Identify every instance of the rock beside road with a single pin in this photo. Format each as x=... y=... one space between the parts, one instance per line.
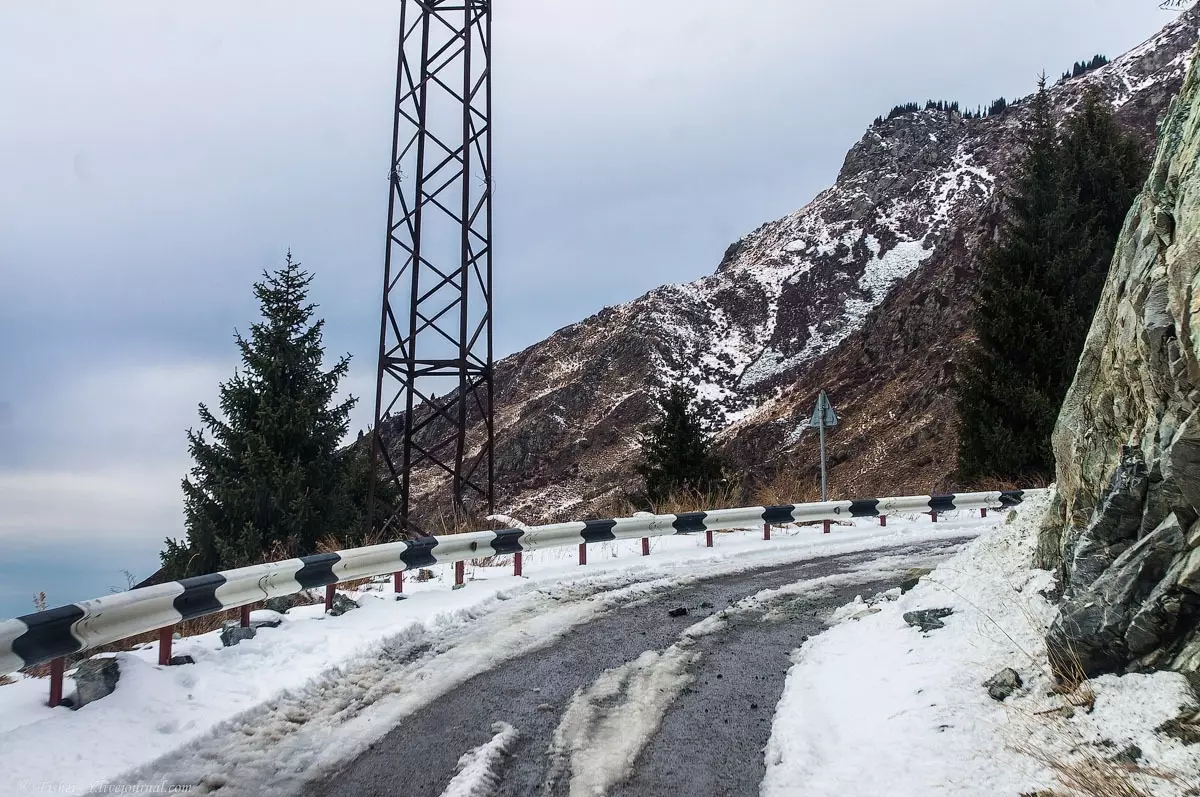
x=94 y=679
x=1003 y=683
x=927 y=619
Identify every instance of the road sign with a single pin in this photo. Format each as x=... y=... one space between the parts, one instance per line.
x=823 y=413
x=823 y=416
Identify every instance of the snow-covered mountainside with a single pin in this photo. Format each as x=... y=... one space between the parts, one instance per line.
x=866 y=291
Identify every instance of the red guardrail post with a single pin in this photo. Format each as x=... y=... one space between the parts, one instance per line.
x=708 y=538
x=645 y=546
x=766 y=531
x=933 y=514
x=517 y=564
x=825 y=523
x=983 y=512
x=459 y=573
x=165 y=637
x=330 y=591
x=398 y=581
x=246 y=616
x=883 y=520
x=583 y=553
x=57 y=666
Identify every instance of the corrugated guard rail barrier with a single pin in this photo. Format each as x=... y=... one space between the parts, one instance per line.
x=48 y=636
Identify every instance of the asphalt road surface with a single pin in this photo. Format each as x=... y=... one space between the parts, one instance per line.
x=716 y=692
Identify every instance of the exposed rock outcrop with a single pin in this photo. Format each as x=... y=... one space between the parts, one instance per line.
x=1126 y=532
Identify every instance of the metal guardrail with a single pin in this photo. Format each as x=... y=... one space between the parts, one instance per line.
x=50 y=635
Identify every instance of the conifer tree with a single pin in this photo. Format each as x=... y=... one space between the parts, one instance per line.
x=675 y=449
x=270 y=470
x=1040 y=286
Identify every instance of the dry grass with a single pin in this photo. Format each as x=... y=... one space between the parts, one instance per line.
x=788 y=486
x=1089 y=773
x=5 y=680
x=987 y=484
x=698 y=500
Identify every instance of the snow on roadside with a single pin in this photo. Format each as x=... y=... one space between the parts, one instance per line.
x=874 y=706
x=266 y=707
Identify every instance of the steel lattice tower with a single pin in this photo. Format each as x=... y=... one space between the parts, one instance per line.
x=435 y=342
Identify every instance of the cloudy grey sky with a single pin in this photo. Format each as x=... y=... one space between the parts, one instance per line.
x=155 y=157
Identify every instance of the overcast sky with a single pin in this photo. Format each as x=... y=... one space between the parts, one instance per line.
x=156 y=156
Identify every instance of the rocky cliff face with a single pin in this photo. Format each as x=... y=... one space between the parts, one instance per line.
x=866 y=291
x=1126 y=534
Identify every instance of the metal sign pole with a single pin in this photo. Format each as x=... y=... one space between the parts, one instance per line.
x=821 y=427
x=823 y=415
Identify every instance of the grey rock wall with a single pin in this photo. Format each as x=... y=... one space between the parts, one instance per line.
x=1126 y=530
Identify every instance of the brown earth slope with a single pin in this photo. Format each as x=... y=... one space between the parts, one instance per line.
x=867 y=292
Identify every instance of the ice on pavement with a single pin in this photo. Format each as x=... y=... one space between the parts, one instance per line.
x=478 y=769
x=608 y=723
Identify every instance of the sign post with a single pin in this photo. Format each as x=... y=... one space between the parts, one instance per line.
x=823 y=415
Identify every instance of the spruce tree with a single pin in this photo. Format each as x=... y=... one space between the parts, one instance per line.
x=675 y=449
x=1040 y=285
x=270 y=471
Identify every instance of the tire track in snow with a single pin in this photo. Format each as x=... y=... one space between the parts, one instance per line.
x=608 y=723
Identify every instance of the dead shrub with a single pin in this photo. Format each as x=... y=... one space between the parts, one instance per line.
x=788 y=486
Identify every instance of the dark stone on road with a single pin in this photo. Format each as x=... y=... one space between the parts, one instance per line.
x=180 y=660
x=680 y=612
x=927 y=619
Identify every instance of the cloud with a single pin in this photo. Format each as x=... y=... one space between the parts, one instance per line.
x=90 y=509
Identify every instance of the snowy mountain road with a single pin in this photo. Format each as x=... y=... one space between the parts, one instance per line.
x=635 y=702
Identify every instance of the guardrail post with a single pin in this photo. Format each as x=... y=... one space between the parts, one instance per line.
x=708 y=538
x=883 y=520
x=825 y=523
x=246 y=616
x=645 y=546
x=518 y=564
x=766 y=531
x=983 y=512
x=583 y=553
x=398 y=581
x=57 y=666
x=460 y=570
x=165 y=637
x=933 y=514
x=330 y=590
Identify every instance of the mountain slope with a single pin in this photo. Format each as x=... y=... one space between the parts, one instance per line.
x=866 y=291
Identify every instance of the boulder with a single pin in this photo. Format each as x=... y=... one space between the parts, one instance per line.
x=94 y=679
x=927 y=619
x=1003 y=683
x=341 y=605
x=265 y=618
x=284 y=603
x=233 y=633
x=912 y=577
